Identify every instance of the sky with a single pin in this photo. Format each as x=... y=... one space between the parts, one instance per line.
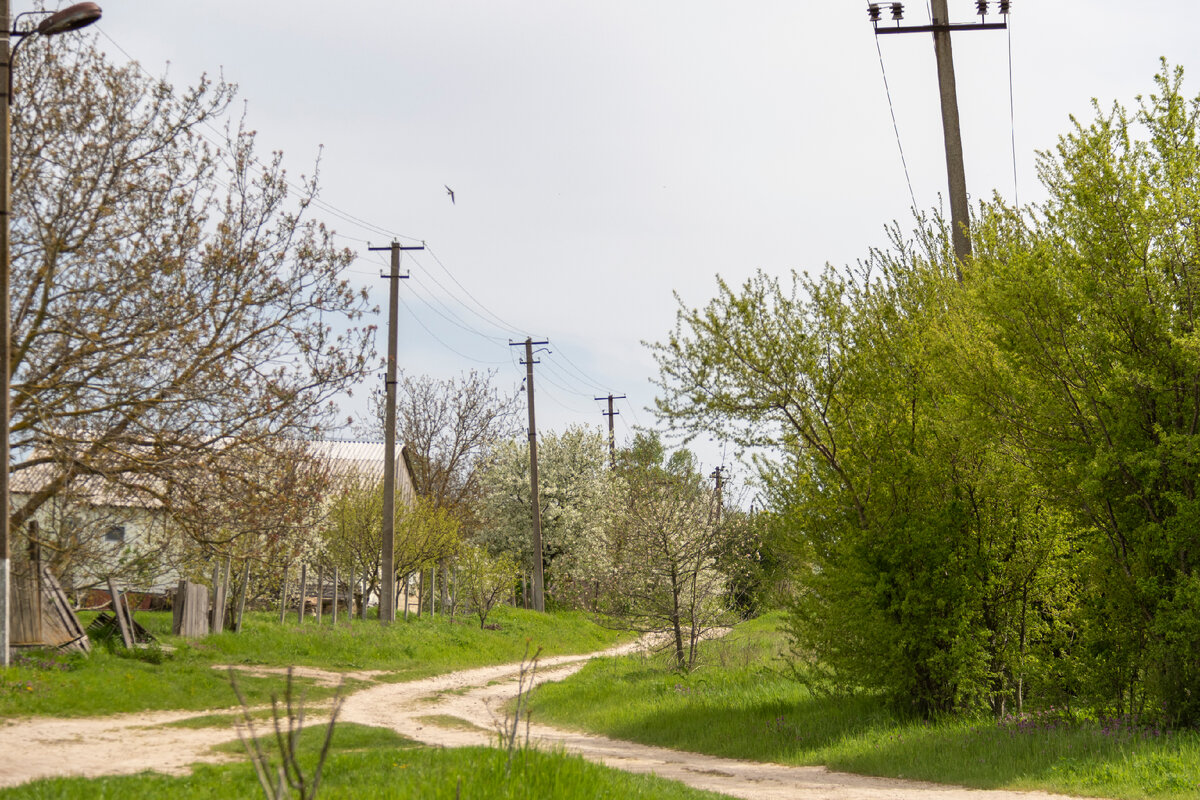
x=610 y=157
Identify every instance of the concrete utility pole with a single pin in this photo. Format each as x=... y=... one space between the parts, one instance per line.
x=539 y=597
x=387 y=594
x=612 y=434
x=68 y=19
x=960 y=215
x=5 y=332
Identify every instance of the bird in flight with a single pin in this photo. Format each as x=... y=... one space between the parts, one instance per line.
x=450 y=192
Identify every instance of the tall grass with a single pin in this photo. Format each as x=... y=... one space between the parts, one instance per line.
x=181 y=674
x=742 y=704
x=377 y=763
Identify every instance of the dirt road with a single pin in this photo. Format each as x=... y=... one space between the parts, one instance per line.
x=422 y=710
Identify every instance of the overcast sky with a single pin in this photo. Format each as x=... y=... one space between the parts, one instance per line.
x=604 y=155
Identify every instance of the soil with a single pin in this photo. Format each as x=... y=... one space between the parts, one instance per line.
x=452 y=710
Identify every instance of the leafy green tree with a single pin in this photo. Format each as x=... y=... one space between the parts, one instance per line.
x=901 y=519
x=483 y=579
x=1089 y=304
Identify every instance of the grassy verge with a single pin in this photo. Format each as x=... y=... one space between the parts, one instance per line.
x=739 y=705
x=377 y=763
x=181 y=674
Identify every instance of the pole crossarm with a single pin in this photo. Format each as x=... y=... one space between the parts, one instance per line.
x=950 y=28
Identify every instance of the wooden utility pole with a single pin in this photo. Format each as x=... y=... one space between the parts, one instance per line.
x=387 y=594
x=960 y=215
x=612 y=434
x=539 y=599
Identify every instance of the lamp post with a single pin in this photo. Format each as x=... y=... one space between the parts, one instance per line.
x=68 y=19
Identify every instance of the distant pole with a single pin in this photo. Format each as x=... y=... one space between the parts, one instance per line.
x=387 y=594
x=539 y=596
x=303 y=591
x=283 y=594
x=612 y=433
x=719 y=486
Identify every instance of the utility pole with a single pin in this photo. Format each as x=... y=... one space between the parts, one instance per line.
x=539 y=597
x=960 y=215
x=5 y=331
x=612 y=434
x=387 y=594
x=718 y=487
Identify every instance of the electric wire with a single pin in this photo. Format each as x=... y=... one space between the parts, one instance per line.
x=1012 y=117
x=895 y=125
x=579 y=371
x=437 y=338
x=315 y=201
x=503 y=324
x=491 y=318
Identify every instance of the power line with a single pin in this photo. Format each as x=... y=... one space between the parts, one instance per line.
x=1012 y=121
x=895 y=126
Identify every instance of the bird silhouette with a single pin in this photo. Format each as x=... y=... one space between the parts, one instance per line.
x=450 y=192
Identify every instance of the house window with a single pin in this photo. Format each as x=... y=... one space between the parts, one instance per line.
x=115 y=533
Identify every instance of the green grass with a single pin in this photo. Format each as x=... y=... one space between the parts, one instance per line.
x=115 y=681
x=377 y=763
x=741 y=705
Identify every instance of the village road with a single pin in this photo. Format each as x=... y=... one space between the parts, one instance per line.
x=129 y=743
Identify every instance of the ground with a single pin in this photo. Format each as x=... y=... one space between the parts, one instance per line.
x=457 y=709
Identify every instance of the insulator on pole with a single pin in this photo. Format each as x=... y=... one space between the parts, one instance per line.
x=873 y=11
x=1004 y=6
x=981 y=7
x=897 y=11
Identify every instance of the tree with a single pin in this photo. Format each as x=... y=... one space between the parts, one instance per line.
x=353 y=533
x=1089 y=303
x=172 y=305
x=264 y=506
x=574 y=487
x=484 y=578
x=447 y=426
x=905 y=523
x=658 y=570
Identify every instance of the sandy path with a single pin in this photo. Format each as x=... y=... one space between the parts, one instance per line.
x=37 y=748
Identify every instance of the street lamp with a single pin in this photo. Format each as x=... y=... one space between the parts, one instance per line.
x=68 y=19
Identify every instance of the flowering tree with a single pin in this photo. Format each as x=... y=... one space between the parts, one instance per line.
x=575 y=485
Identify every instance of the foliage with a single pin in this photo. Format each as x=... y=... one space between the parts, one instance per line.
x=353 y=534
x=986 y=487
x=483 y=579
x=574 y=487
x=742 y=705
x=888 y=496
x=1090 y=312
x=123 y=208
x=658 y=568
x=447 y=426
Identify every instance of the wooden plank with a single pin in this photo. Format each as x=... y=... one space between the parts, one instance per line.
x=61 y=628
x=177 y=608
x=122 y=613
